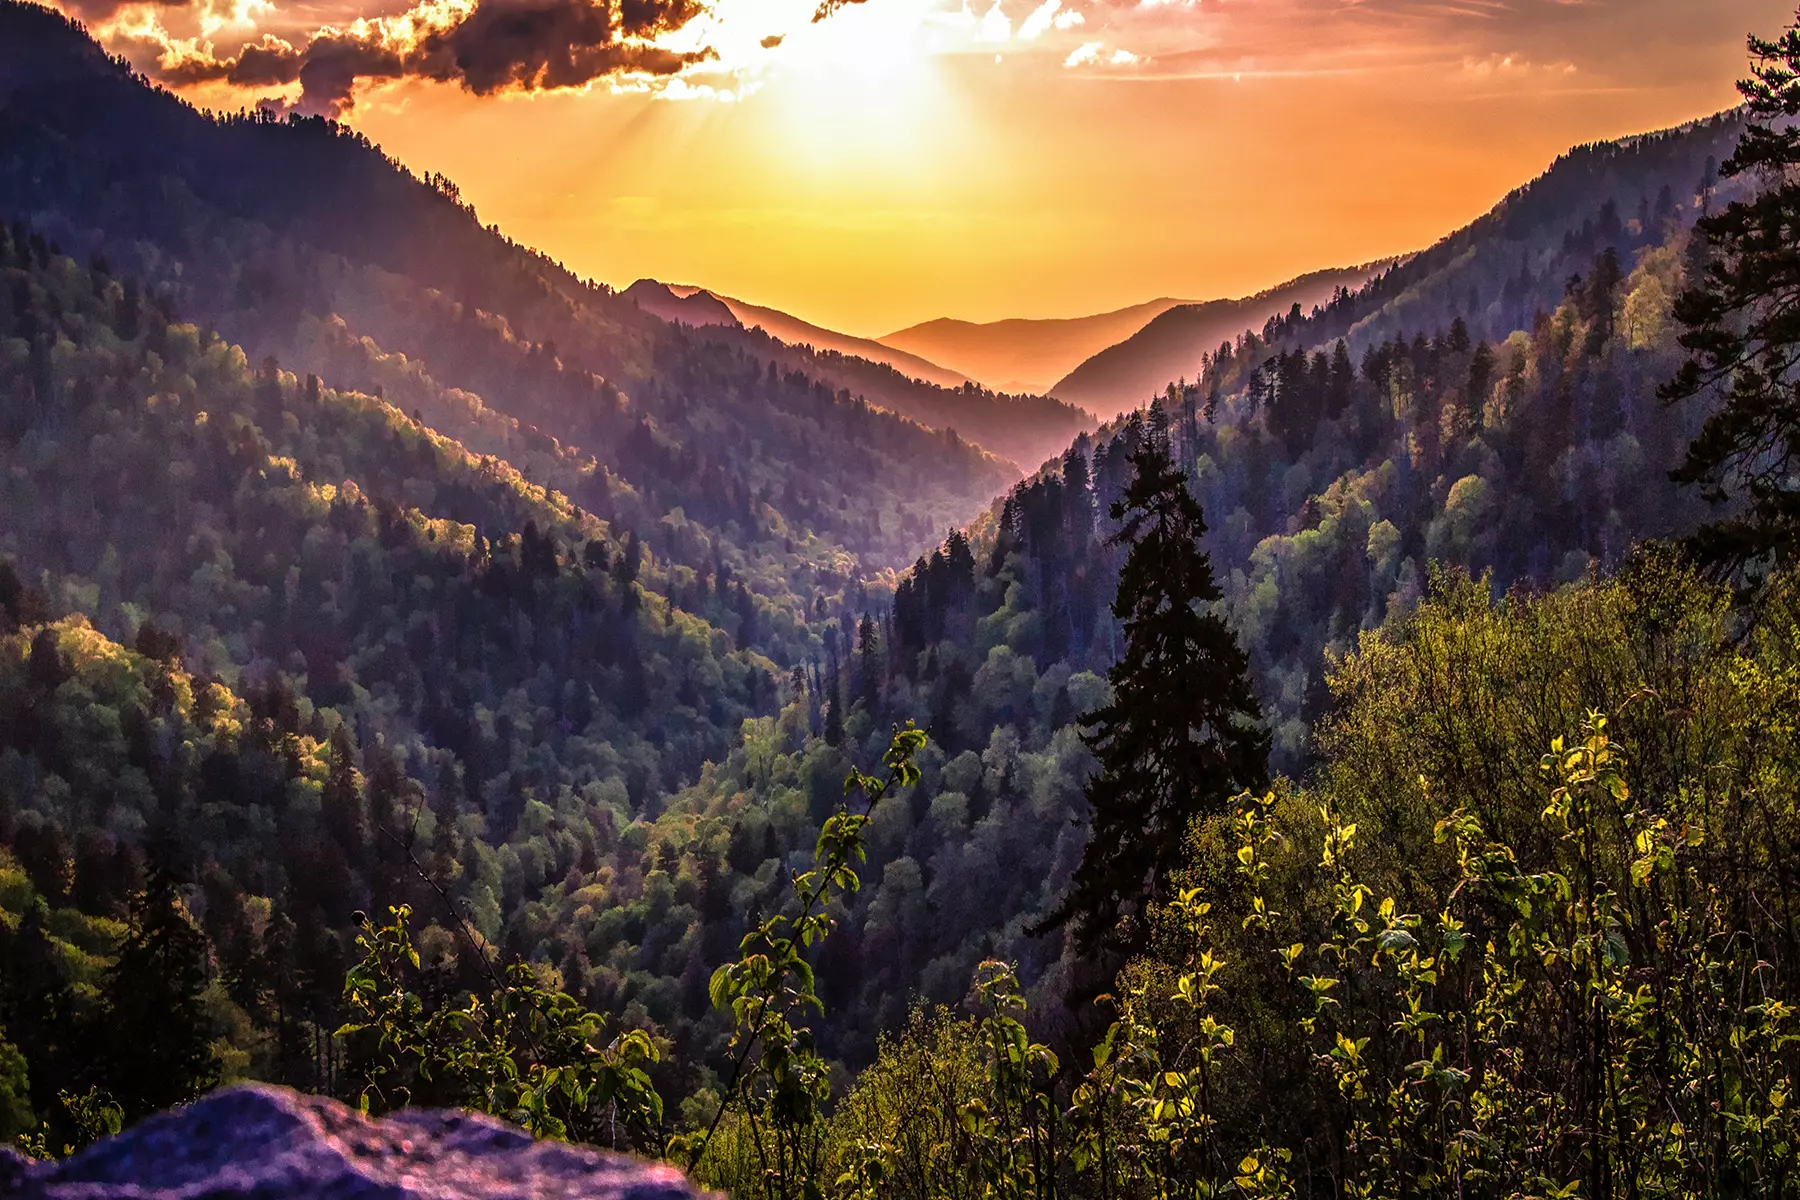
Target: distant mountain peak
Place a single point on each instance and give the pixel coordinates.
(1023, 354)
(1170, 345)
(688, 305)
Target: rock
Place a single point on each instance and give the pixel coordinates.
(13, 1167)
(256, 1142)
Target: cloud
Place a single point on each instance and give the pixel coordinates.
(1068, 18)
(1087, 52)
(1630, 43)
(995, 26)
(485, 46)
(1040, 19)
(1513, 64)
(1093, 54)
(96, 12)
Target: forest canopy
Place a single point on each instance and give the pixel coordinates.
(428, 678)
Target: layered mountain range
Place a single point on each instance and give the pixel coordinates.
(354, 553)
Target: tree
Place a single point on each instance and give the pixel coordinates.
(1342, 379)
(341, 800)
(1600, 300)
(834, 706)
(1181, 735)
(16, 1117)
(158, 1032)
(1742, 314)
(869, 652)
(1481, 382)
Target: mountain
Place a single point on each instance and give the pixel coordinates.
(690, 306)
(355, 555)
(795, 332)
(1021, 354)
(1488, 404)
(1127, 374)
(1446, 430)
(1025, 430)
(300, 241)
(335, 507)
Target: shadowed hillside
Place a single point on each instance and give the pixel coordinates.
(1022, 354)
(1169, 347)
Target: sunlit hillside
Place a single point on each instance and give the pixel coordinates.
(1334, 742)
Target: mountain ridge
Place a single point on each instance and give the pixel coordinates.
(796, 331)
(1022, 353)
(1170, 345)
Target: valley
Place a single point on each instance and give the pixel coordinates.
(393, 620)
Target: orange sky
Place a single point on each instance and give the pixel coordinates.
(907, 159)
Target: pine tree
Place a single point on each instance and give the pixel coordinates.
(868, 650)
(834, 705)
(1742, 313)
(341, 799)
(158, 1033)
(1481, 382)
(1181, 735)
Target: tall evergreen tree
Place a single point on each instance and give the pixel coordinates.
(869, 674)
(834, 702)
(1181, 735)
(1742, 313)
(157, 1030)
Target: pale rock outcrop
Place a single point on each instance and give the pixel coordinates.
(256, 1142)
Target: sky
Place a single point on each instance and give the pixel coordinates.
(899, 160)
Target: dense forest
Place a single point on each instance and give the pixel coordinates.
(409, 653)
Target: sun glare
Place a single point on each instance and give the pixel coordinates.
(861, 83)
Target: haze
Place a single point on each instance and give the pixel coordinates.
(909, 159)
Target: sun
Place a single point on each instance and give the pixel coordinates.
(873, 40)
(865, 55)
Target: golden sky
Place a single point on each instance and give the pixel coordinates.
(908, 159)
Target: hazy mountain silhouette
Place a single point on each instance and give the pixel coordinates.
(1125, 375)
(692, 307)
(1021, 354)
(795, 332)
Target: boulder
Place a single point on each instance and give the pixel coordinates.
(257, 1142)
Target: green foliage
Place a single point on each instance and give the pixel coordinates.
(90, 1116)
(515, 1049)
(779, 1083)
(899, 1129)
(16, 1117)
(1009, 1125)
(1366, 993)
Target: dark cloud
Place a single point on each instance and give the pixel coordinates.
(500, 45)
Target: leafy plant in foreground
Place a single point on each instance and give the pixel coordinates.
(779, 1082)
(522, 1052)
(92, 1115)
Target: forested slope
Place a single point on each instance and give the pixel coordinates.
(471, 559)
(1126, 374)
(470, 576)
(1331, 485)
(398, 643)
(1411, 421)
(262, 229)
